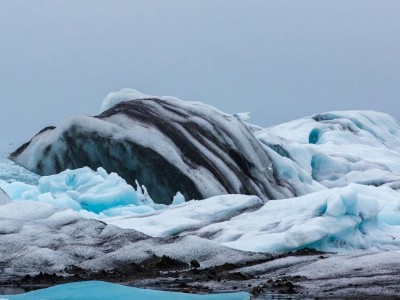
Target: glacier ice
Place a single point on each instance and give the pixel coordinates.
(187, 217)
(84, 189)
(168, 145)
(354, 217)
(10, 171)
(338, 148)
(336, 174)
(106, 290)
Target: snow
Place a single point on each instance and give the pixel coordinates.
(106, 290)
(125, 94)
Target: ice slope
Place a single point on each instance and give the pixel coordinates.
(37, 237)
(166, 144)
(342, 147)
(355, 217)
(105, 290)
(187, 217)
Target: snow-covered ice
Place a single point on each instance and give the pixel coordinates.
(125, 94)
(338, 148)
(187, 217)
(355, 217)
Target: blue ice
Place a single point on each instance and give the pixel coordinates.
(105, 290)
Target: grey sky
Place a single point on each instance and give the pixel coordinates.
(280, 60)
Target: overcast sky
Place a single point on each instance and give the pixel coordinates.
(280, 60)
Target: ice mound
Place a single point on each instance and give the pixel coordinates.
(355, 217)
(339, 148)
(167, 144)
(84, 190)
(106, 290)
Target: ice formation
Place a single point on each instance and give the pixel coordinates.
(105, 290)
(355, 217)
(338, 148)
(168, 145)
(84, 189)
(345, 164)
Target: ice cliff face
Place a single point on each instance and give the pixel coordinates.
(166, 144)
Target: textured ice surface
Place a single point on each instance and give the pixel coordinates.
(340, 219)
(168, 145)
(187, 217)
(84, 189)
(10, 172)
(106, 290)
(37, 237)
(338, 148)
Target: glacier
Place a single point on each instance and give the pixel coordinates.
(337, 213)
(329, 182)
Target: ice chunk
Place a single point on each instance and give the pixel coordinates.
(83, 189)
(178, 199)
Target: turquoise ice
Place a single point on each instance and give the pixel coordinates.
(105, 290)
